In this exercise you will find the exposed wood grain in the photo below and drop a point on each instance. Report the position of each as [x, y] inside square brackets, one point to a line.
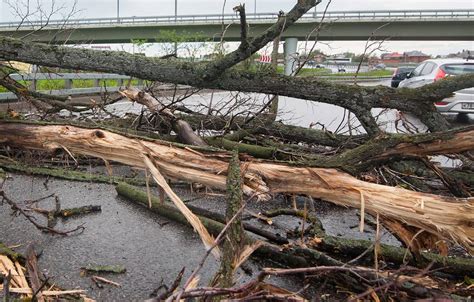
[447, 217]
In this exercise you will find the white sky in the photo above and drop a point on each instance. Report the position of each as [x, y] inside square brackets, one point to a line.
[107, 8]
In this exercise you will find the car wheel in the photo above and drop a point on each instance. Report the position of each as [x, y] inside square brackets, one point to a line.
[462, 118]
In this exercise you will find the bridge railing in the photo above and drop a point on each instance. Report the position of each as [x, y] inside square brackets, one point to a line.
[218, 18]
[96, 87]
[68, 78]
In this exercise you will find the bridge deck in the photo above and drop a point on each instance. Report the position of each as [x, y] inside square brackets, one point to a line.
[341, 25]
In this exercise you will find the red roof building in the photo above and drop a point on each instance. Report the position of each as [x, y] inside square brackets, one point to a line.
[414, 56]
[391, 58]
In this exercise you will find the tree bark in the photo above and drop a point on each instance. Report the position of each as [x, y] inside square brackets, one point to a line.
[446, 217]
[185, 133]
[357, 99]
[331, 245]
[235, 237]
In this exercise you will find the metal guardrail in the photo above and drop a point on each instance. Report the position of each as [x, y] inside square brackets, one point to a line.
[352, 78]
[68, 78]
[6, 97]
[227, 18]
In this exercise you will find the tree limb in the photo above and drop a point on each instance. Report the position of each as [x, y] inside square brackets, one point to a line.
[442, 216]
[246, 49]
[418, 101]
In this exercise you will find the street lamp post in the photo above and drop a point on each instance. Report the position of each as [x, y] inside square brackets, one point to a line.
[175, 10]
[176, 20]
[118, 10]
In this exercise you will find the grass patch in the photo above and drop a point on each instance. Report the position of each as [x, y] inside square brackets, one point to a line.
[79, 83]
[50, 84]
[372, 73]
[82, 83]
[307, 72]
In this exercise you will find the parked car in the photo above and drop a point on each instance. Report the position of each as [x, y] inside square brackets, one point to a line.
[434, 70]
[400, 74]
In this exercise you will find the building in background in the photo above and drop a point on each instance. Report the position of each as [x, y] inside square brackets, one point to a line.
[338, 59]
[464, 54]
[415, 56]
[392, 58]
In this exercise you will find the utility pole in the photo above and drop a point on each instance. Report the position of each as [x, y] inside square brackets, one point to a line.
[255, 7]
[175, 10]
[118, 10]
[176, 20]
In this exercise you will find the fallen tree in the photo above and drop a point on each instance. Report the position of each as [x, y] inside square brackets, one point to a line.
[219, 74]
[358, 100]
[420, 220]
[443, 217]
[329, 244]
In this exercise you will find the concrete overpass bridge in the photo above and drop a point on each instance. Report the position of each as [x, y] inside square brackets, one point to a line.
[407, 25]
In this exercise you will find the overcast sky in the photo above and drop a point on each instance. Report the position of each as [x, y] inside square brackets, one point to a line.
[107, 8]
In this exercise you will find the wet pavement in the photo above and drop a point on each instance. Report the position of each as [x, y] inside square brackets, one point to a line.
[152, 248]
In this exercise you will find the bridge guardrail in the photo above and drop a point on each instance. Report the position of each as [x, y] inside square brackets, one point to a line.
[217, 18]
[6, 97]
[68, 78]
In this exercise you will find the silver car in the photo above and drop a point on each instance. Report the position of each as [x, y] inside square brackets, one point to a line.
[433, 70]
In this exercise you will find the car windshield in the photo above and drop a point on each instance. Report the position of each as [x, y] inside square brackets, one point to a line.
[458, 68]
[404, 69]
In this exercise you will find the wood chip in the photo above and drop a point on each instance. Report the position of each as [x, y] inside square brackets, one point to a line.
[107, 281]
[206, 238]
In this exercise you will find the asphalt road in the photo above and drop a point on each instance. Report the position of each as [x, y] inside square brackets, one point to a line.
[151, 248]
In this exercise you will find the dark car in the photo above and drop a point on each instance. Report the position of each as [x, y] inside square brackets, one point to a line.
[400, 74]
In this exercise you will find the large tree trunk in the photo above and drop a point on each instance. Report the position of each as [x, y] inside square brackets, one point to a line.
[446, 217]
[357, 99]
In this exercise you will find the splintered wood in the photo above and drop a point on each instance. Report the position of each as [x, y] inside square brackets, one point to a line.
[446, 218]
[17, 273]
[19, 285]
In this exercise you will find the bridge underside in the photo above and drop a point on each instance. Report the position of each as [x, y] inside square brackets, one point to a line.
[413, 30]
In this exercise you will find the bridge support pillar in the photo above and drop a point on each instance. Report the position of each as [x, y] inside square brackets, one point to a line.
[291, 46]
